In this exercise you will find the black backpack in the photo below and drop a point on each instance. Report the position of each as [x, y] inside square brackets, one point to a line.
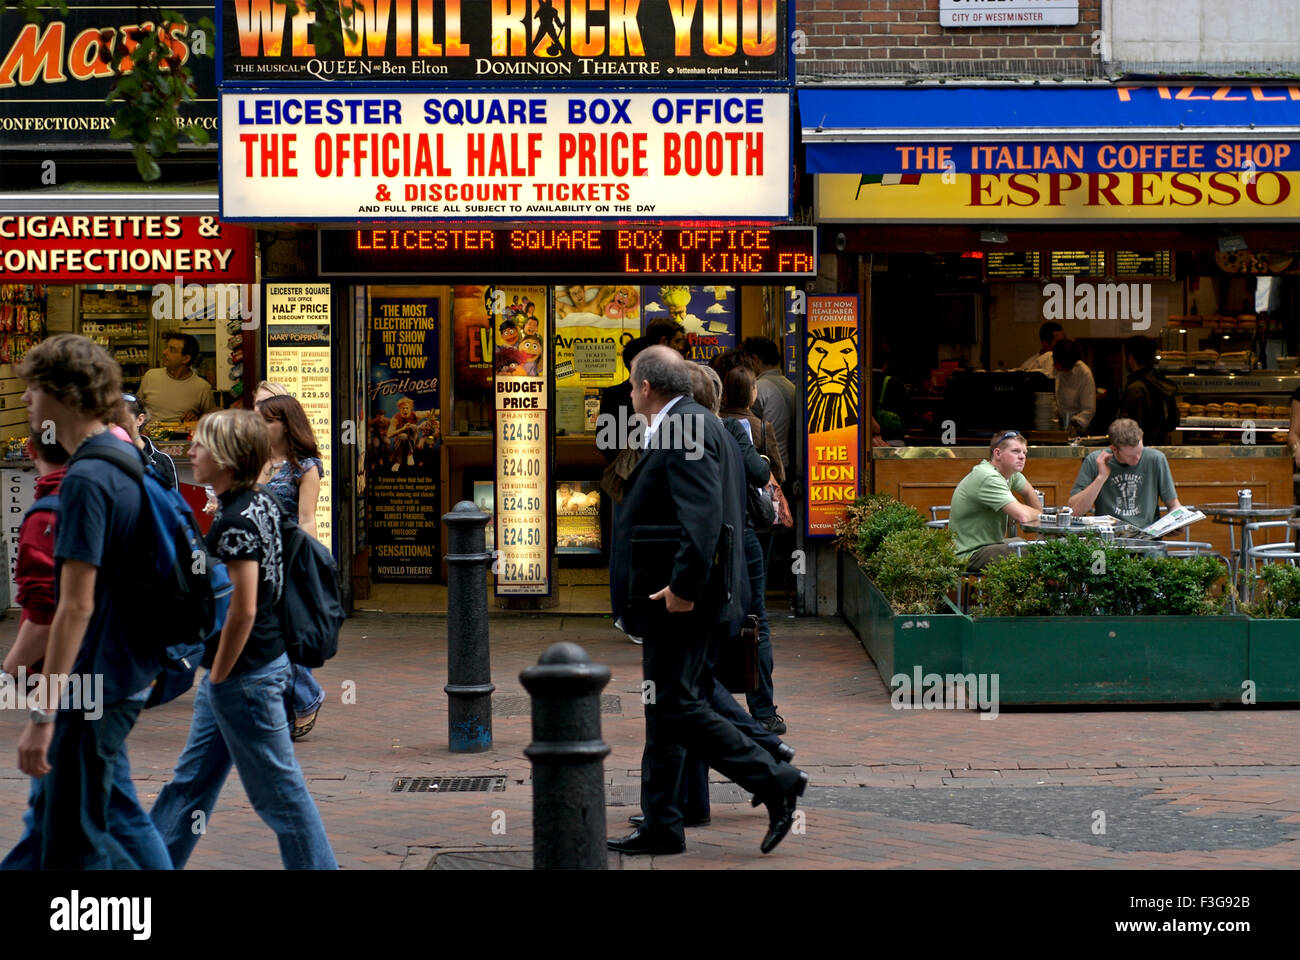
[311, 603]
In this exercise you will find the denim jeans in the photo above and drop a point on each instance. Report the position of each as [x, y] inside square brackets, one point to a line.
[85, 813]
[127, 822]
[307, 694]
[759, 700]
[243, 722]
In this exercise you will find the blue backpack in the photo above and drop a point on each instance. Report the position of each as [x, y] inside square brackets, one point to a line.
[188, 590]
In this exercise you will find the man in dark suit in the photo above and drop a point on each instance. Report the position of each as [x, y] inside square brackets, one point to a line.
[681, 599]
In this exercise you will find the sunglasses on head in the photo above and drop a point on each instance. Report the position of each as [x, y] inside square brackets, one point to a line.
[129, 398]
[1009, 435]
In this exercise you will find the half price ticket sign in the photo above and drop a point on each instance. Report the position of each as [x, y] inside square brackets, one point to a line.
[298, 356]
[522, 501]
[394, 157]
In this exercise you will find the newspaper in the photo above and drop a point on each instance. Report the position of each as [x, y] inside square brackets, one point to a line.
[1173, 520]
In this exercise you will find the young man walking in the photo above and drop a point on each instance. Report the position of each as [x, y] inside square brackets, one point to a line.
[84, 812]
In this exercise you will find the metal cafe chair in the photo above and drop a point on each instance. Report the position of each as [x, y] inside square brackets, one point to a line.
[1286, 551]
[934, 520]
[1186, 547]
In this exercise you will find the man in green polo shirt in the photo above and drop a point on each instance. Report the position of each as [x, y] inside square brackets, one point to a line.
[986, 497]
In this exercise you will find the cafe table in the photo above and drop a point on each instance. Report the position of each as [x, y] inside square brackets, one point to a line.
[1235, 515]
[1103, 531]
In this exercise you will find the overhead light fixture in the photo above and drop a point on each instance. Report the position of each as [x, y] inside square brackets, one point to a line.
[993, 235]
[1232, 243]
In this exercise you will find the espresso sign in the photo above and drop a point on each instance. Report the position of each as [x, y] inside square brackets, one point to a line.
[561, 43]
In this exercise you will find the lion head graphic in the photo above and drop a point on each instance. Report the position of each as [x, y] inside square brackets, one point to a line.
[832, 386]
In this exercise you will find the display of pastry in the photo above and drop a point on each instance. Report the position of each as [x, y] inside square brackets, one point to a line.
[1231, 409]
[1196, 410]
[1214, 409]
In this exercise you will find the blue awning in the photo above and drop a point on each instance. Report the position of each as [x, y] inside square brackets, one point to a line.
[863, 130]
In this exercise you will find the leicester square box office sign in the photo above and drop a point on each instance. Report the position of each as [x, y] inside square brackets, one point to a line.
[343, 155]
[558, 43]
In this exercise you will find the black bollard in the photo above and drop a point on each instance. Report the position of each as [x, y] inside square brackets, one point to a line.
[469, 667]
[568, 755]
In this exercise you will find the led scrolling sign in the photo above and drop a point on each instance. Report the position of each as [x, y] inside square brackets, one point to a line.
[777, 252]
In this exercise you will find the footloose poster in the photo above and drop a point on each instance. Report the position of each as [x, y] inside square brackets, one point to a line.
[403, 439]
[834, 388]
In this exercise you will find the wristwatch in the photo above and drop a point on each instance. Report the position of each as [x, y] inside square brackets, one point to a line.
[41, 717]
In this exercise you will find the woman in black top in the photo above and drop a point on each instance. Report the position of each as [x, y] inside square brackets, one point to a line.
[240, 714]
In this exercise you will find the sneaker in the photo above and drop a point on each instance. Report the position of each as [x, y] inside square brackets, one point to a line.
[773, 724]
[619, 624]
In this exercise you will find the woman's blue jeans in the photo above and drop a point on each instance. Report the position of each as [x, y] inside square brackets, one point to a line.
[243, 722]
[759, 700]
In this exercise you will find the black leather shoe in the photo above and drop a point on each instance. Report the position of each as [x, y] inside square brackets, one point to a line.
[637, 819]
[642, 841]
[780, 812]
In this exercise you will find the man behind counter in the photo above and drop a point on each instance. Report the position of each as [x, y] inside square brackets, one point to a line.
[174, 392]
[1125, 480]
[987, 496]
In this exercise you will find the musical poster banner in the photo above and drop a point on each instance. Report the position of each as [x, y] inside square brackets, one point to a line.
[592, 325]
[550, 156]
[707, 313]
[833, 403]
[537, 42]
[404, 440]
[298, 333]
[577, 517]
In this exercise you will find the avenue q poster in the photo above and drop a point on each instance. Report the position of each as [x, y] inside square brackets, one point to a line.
[833, 401]
[403, 439]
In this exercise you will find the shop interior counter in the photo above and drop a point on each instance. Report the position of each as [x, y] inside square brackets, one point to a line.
[927, 476]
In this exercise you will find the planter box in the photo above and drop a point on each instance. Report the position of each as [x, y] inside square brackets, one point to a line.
[899, 644]
[1046, 660]
[1275, 660]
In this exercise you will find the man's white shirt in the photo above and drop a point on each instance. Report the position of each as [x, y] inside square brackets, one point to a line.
[654, 424]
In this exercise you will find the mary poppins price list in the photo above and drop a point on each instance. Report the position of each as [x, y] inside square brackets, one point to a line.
[521, 503]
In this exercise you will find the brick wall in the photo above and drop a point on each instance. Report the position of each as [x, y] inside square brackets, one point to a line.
[869, 39]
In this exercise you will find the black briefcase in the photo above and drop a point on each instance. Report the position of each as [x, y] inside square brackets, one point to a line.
[737, 666]
[652, 552]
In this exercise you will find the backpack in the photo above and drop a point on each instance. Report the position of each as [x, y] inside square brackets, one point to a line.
[311, 603]
[188, 590]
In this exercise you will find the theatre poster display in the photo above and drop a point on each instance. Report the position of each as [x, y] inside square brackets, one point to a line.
[577, 517]
[472, 332]
[832, 396]
[708, 313]
[404, 435]
[592, 325]
[298, 355]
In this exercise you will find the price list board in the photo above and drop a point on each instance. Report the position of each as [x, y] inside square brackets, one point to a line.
[523, 489]
[298, 332]
[1076, 263]
[1144, 264]
[1012, 265]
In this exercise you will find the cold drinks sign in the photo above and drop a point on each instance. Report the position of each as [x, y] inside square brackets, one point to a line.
[547, 156]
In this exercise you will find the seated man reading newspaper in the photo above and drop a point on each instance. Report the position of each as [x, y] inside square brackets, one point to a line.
[1127, 481]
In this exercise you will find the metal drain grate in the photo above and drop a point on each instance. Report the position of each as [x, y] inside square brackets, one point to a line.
[448, 785]
[523, 706]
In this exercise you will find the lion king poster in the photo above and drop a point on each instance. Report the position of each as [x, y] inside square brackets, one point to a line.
[833, 395]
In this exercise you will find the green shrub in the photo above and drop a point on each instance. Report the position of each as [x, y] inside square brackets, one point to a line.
[915, 569]
[1277, 594]
[847, 527]
[1073, 577]
[888, 519]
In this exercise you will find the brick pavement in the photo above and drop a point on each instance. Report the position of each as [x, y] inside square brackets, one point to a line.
[1229, 779]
